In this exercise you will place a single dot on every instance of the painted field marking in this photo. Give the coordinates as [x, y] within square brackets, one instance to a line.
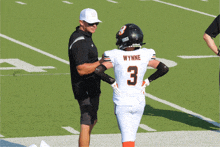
[71, 130]
[196, 57]
[183, 109]
[204, 0]
[112, 1]
[148, 139]
[46, 74]
[22, 65]
[67, 2]
[34, 49]
[188, 9]
[1, 135]
[145, 127]
[21, 3]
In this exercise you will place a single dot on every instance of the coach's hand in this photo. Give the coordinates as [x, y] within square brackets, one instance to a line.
[115, 88]
[102, 59]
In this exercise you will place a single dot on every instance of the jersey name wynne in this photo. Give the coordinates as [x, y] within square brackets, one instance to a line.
[131, 57]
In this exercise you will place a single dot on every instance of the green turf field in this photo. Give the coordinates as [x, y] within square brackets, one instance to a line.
[41, 102]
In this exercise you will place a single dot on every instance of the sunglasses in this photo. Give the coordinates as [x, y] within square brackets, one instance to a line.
[92, 24]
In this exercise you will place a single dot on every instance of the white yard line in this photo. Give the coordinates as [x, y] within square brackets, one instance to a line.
[145, 127]
[183, 109]
[196, 57]
[1, 135]
[188, 9]
[34, 49]
[67, 2]
[46, 74]
[20, 3]
[112, 1]
[71, 130]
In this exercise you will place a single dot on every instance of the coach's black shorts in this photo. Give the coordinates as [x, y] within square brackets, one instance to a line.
[87, 88]
[88, 107]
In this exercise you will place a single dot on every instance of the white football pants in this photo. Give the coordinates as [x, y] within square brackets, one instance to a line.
[129, 118]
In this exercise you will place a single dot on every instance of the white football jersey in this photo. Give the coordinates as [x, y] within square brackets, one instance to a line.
[129, 69]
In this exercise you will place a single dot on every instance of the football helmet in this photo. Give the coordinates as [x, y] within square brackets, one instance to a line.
[130, 35]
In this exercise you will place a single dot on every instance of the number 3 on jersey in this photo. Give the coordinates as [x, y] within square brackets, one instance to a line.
[134, 71]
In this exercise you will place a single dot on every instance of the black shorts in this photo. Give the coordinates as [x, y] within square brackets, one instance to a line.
[88, 107]
[85, 89]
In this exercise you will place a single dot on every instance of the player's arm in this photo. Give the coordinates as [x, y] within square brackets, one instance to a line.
[100, 72]
[162, 69]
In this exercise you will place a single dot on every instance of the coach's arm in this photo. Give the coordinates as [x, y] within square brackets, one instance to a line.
[211, 44]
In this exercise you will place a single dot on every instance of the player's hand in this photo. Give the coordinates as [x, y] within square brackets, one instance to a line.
[115, 88]
[144, 84]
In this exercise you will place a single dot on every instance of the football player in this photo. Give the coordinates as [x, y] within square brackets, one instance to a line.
[130, 63]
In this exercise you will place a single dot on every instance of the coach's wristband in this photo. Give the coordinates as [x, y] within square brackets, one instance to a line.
[218, 52]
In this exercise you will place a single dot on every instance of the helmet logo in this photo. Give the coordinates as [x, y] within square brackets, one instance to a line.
[122, 30]
[125, 39]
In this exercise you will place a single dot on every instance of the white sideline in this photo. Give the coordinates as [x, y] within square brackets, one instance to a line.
[152, 139]
[183, 109]
[34, 49]
[188, 9]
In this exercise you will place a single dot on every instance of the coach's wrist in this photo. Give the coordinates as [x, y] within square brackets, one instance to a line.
[218, 52]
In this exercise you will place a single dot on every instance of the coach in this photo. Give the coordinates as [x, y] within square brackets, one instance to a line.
[212, 31]
[83, 57]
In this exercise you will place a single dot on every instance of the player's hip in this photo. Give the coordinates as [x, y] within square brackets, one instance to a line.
[129, 108]
[128, 100]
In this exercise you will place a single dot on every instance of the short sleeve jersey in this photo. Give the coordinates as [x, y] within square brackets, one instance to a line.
[129, 69]
[214, 29]
[81, 50]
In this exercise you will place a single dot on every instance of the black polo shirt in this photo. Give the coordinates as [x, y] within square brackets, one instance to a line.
[83, 50]
[214, 29]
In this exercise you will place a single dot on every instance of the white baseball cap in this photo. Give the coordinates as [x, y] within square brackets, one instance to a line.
[89, 15]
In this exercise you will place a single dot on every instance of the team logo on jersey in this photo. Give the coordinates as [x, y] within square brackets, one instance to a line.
[122, 30]
[92, 45]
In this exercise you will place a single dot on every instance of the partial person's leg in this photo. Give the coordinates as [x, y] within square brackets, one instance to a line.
[89, 108]
[124, 118]
[128, 144]
[84, 137]
[137, 112]
[129, 118]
